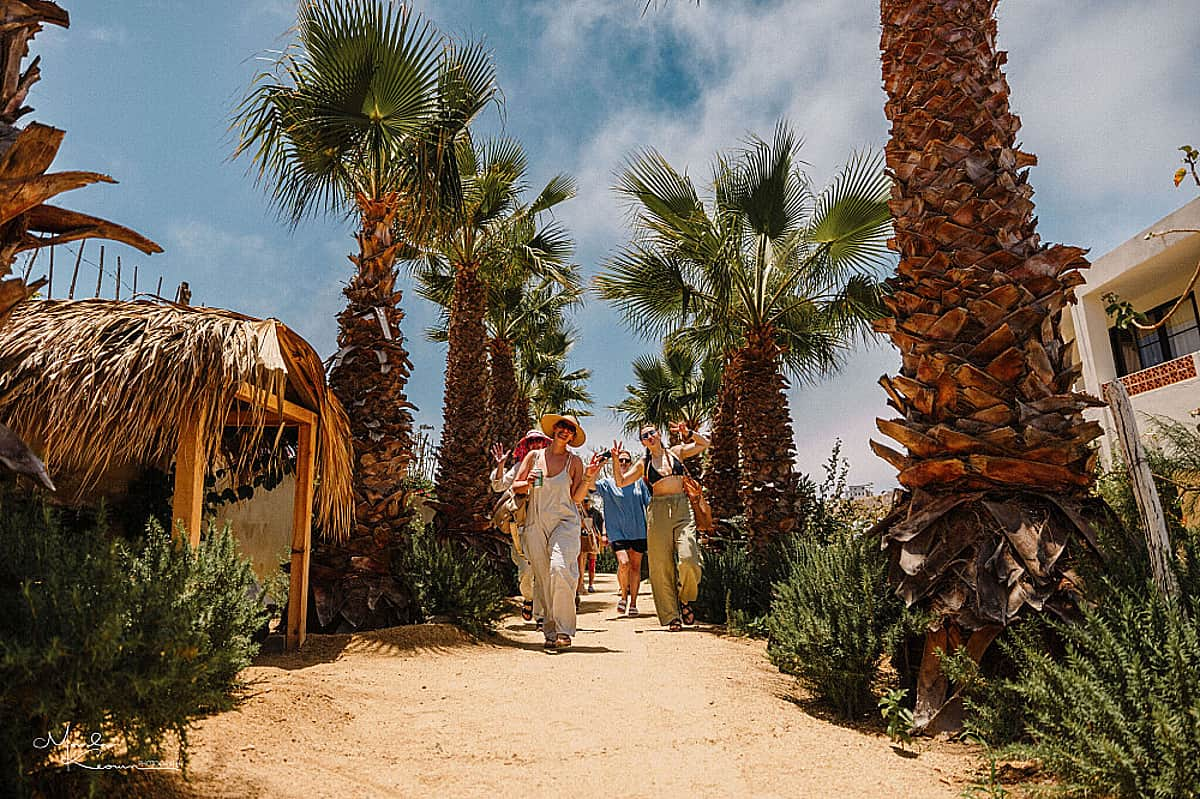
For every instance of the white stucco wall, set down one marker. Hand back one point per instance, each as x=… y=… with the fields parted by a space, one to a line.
x=262 y=525
x=1147 y=273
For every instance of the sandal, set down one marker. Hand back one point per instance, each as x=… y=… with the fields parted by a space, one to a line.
x=633 y=611
x=686 y=614
x=527 y=610
x=548 y=646
x=621 y=605
x=675 y=626
x=562 y=641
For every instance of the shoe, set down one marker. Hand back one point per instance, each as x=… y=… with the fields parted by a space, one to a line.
x=621 y=605
x=549 y=646
x=562 y=642
x=527 y=610
x=675 y=626
x=591 y=589
x=633 y=611
x=577 y=601
x=540 y=624
x=686 y=614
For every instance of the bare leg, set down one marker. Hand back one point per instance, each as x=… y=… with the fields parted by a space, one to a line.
x=634 y=577
x=623 y=571
x=582 y=562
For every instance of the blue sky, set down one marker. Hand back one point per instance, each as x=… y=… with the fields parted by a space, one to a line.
x=144 y=88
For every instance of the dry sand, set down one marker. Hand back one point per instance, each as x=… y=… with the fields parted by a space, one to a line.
x=631 y=710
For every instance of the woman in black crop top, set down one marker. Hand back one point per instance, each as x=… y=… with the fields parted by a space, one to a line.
x=671 y=546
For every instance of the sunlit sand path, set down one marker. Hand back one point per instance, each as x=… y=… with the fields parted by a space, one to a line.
x=630 y=710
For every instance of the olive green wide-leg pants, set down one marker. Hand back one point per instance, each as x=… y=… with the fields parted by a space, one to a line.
x=673 y=553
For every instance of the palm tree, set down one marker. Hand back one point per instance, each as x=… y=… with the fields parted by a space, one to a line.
x=518 y=310
x=998 y=466
x=677 y=385
x=545 y=383
x=775 y=280
x=347 y=121
x=491 y=237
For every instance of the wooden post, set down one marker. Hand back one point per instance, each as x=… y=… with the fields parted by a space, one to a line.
x=301 y=537
x=50 y=280
x=187 y=506
x=100 y=271
x=117 y=289
x=1154 y=523
x=75 y=274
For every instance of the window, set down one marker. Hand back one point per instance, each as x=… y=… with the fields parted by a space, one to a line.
x=1135 y=349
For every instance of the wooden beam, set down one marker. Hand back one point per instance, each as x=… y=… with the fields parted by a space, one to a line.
x=187 y=506
x=290 y=411
x=301 y=538
x=1154 y=523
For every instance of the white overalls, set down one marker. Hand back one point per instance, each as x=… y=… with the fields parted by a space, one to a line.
x=552 y=545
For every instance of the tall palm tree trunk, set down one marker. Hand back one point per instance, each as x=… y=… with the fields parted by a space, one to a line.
x=998 y=467
x=721 y=476
x=764 y=430
x=352 y=583
x=462 y=483
x=505 y=420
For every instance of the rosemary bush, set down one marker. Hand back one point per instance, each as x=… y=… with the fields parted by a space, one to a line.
x=452 y=581
x=124 y=644
x=833 y=619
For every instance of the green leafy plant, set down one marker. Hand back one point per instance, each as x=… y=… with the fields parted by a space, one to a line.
x=1190 y=158
x=122 y=645
x=897 y=716
x=452 y=581
x=833 y=619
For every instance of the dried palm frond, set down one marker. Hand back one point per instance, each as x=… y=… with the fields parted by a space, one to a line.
x=99 y=383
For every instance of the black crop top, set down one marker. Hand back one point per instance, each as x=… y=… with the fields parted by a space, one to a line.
x=652 y=474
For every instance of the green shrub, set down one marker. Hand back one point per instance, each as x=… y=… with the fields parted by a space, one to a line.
x=1119 y=712
x=125 y=644
x=606 y=561
x=736 y=581
x=833 y=619
x=453 y=581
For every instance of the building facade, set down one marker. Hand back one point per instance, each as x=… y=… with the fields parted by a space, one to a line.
x=1158 y=368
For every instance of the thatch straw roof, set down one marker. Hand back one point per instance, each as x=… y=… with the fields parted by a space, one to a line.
x=100 y=383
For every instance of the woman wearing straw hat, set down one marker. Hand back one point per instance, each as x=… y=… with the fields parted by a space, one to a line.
x=671 y=542
x=501 y=481
x=556 y=481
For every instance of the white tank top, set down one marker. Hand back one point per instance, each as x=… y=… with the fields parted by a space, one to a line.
x=551 y=503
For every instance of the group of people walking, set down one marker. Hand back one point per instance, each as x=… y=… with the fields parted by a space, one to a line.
x=646 y=513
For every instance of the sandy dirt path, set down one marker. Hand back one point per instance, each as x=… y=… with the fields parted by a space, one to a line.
x=631 y=710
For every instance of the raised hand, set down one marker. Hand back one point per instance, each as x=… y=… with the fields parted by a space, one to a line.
x=499 y=453
x=679 y=428
x=595 y=464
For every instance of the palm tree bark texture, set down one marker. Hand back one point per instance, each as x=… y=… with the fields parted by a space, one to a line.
x=504 y=415
x=351 y=580
x=764 y=429
x=998 y=468
x=722 y=476
x=462 y=488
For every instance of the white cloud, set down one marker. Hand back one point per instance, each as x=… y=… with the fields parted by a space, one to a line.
x=108 y=34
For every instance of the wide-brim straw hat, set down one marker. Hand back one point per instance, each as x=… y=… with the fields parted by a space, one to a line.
x=551 y=419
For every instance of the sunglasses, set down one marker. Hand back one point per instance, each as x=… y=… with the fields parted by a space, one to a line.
x=570 y=428
x=625 y=461
x=648 y=434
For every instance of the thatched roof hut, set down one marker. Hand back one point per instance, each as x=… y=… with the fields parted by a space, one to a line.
x=98 y=383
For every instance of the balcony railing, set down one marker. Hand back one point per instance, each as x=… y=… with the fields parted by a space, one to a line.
x=1161 y=375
